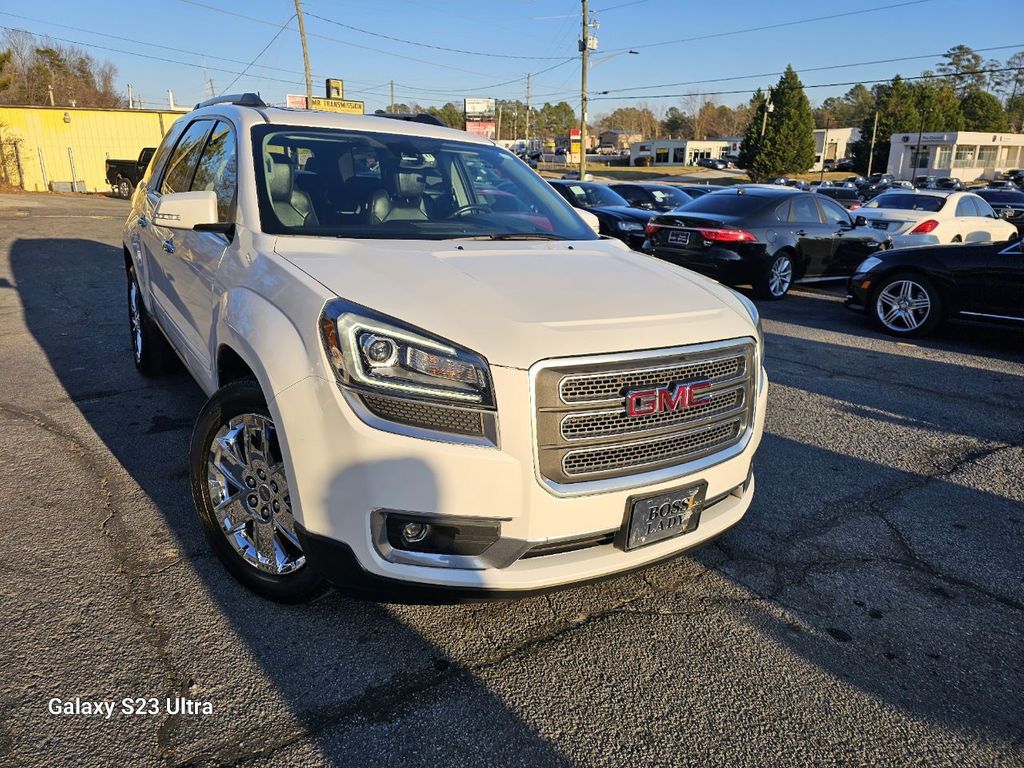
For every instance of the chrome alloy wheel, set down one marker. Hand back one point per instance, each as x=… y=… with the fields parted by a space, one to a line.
x=781 y=276
x=124 y=189
x=249 y=493
x=135 y=318
x=903 y=306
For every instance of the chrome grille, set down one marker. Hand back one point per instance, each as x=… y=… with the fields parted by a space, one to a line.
x=584 y=432
x=597 y=387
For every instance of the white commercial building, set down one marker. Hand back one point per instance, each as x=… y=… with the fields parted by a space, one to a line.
x=832 y=144
x=677 y=151
x=967 y=155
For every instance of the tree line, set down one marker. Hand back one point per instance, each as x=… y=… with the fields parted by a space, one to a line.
x=36 y=71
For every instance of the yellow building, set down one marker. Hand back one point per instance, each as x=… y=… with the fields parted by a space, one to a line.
x=42 y=145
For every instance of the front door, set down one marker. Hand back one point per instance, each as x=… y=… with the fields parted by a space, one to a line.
x=850 y=245
x=990 y=279
x=813 y=238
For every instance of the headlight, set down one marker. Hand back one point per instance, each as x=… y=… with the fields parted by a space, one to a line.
x=755 y=317
x=630 y=226
x=868 y=264
x=404 y=375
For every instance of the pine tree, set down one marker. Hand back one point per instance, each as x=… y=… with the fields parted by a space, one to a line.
x=788 y=143
x=751 y=146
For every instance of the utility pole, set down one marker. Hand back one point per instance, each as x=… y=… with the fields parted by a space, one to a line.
x=915 y=156
x=392 y=97
x=767 y=108
x=584 y=61
x=871 y=151
x=170 y=99
x=497 y=132
x=49 y=91
x=305 y=51
x=824 y=147
x=129 y=95
x=528 y=76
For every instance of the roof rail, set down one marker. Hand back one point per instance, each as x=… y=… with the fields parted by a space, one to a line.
x=239 y=99
x=422 y=117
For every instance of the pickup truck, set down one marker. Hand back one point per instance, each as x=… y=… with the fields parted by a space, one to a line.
x=124 y=175
x=426 y=373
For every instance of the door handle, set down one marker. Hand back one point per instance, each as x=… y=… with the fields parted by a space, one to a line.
x=143 y=221
x=169 y=245
x=800 y=233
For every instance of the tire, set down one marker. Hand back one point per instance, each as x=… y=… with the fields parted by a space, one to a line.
x=151 y=352
x=240 y=492
x=777 y=278
x=910 y=322
x=124 y=188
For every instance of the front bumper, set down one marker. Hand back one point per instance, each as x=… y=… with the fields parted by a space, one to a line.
x=342 y=472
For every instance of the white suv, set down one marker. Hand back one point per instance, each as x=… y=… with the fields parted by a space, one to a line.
x=425 y=371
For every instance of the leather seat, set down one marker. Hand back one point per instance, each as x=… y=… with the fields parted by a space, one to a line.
x=402 y=201
x=291 y=205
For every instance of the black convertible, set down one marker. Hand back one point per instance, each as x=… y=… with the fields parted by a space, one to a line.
x=909 y=291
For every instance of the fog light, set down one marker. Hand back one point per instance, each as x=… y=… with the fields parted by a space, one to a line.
x=414 y=533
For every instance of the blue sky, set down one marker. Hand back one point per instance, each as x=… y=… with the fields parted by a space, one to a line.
x=542 y=32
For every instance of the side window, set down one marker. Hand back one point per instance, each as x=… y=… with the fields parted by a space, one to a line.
x=834 y=214
x=178 y=176
x=782 y=212
x=966 y=207
x=166 y=145
x=804 y=210
x=217 y=170
x=984 y=209
x=633 y=195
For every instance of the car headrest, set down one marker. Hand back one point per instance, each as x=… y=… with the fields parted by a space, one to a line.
x=407 y=185
x=279 y=177
x=312 y=165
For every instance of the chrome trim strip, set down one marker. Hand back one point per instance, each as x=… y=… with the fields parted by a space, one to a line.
x=995 y=317
x=1009 y=250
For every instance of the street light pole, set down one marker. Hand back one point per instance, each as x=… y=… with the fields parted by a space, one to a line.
x=824 y=147
x=584 y=55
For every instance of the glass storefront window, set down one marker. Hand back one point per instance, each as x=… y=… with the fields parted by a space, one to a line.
x=987 y=157
x=964 y=157
x=944 y=157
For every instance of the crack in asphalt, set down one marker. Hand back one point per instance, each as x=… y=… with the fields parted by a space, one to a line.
x=134 y=589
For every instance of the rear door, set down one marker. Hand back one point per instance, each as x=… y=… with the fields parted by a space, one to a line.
x=812 y=237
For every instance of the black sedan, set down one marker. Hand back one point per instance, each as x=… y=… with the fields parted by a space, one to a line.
x=763 y=236
x=651 y=196
x=715 y=163
x=875 y=184
x=909 y=291
x=699 y=190
x=617 y=218
x=1008 y=203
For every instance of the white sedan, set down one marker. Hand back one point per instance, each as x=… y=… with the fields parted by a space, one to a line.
x=930 y=217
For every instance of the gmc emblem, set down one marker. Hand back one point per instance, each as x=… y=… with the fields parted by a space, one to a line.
x=646 y=402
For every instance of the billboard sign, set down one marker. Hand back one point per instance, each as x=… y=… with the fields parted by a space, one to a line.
x=337 y=105
x=479 y=109
x=485 y=128
x=295 y=101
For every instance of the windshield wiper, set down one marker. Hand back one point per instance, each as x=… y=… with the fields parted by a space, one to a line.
x=526 y=236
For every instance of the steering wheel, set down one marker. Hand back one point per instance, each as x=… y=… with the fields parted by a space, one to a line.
x=462 y=209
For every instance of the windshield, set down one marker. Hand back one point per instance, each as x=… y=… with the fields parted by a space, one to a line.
x=341 y=183
x=669 y=196
x=1008 y=196
x=908 y=202
x=593 y=195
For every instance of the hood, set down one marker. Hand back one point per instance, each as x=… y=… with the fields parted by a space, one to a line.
x=625 y=212
x=519 y=302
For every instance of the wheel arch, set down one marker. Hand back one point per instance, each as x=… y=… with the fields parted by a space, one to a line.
x=254 y=337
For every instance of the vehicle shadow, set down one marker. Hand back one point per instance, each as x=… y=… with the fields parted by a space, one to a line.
x=816 y=558
x=335 y=662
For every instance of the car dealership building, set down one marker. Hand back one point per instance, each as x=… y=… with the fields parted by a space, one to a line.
x=967 y=155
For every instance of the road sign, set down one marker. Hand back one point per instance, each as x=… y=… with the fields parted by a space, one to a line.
x=337 y=105
x=295 y=101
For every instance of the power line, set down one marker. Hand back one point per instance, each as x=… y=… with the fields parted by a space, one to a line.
x=431 y=45
x=265 y=47
x=334 y=39
x=815 y=85
x=802 y=70
x=485 y=87
x=773 y=26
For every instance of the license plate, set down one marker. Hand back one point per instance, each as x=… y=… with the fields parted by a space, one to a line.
x=664 y=515
x=880 y=224
x=678 y=238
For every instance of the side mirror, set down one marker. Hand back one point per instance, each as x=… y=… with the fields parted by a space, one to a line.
x=860 y=221
x=590 y=219
x=187 y=210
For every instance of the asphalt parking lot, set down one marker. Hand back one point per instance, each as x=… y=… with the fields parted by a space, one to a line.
x=869 y=609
